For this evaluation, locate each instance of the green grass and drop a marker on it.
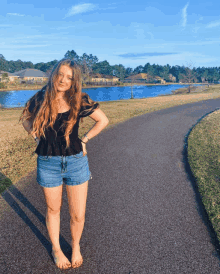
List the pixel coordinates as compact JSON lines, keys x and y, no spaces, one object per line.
{"x":204,"y":160}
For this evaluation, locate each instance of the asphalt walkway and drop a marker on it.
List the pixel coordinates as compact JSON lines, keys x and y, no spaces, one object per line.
{"x":143,"y":215}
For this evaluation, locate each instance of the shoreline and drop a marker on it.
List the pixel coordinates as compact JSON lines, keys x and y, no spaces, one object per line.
{"x":179,"y":91}
{"x":91,"y":86}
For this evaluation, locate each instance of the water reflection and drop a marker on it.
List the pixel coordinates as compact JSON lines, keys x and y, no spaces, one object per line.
{"x":20,"y":97}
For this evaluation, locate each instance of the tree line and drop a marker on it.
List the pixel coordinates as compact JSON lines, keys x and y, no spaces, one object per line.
{"x":91,"y":64}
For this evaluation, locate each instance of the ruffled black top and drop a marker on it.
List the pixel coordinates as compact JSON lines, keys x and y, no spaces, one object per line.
{"x":55,"y":144}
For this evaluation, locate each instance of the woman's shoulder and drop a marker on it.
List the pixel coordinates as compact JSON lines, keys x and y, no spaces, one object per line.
{"x":87,"y":105}
{"x":85,"y":97}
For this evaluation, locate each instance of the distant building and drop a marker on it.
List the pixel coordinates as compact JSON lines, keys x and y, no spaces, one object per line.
{"x":140,"y":77}
{"x":31,"y":75}
{"x":10,"y":76}
{"x":159,"y":79}
{"x":97,"y":77}
{"x":143,"y":78}
{"x":204,"y":80}
{"x":172,"y":78}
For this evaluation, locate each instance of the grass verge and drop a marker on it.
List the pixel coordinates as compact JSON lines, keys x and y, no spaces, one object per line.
{"x":204,"y":160}
{"x":185,"y":90}
{"x":16,"y":147}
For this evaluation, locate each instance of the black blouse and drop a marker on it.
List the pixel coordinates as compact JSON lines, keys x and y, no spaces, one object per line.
{"x":55,"y":144}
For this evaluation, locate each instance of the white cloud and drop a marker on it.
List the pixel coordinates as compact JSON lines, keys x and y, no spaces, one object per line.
{"x":6,"y":25}
{"x":15,"y":14}
{"x":7,"y":46}
{"x":109,"y":8}
{"x":151,"y":35}
{"x":213,"y":24}
{"x":195,"y":29}
{"x":60,"y":28}
{"x":184,"y":15}
{"x":81,"y":8}
{"x":175,"y":44}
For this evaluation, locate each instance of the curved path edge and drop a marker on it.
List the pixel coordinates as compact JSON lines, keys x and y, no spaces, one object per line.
{"x":143,"y":214}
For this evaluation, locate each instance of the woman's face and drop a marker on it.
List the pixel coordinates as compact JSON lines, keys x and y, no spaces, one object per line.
{"x":64,"y":80}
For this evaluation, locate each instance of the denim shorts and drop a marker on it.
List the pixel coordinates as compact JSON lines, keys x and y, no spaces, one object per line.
{"x":54,"y":170}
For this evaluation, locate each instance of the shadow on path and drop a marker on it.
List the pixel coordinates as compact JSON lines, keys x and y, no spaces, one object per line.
{"x":200,"y":206}
{"x":5,"y":182}
{"x":9,"y":196}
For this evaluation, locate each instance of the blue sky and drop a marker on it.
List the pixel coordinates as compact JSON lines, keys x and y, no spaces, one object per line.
{"x":131,"y":33}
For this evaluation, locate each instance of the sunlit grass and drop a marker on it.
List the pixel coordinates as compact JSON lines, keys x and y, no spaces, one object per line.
{"x":204,"y":160}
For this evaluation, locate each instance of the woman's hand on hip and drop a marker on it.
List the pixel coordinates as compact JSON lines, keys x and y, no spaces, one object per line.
{"x":84,"y":149}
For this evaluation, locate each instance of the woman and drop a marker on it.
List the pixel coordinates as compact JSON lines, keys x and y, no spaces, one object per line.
{"x":52,"y":117}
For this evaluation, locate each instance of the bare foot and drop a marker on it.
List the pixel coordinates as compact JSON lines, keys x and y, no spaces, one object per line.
{"x":60,"y":259}
{"x":77,"y":258}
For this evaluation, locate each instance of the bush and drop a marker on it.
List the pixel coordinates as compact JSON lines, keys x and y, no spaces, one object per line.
{"x":2,"y":85}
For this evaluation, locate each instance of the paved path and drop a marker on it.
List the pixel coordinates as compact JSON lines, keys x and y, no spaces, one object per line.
{"x":143,"y":213}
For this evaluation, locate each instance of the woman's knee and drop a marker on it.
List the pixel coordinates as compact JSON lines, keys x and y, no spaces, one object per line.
{"x":53,"y":210}
{"x":53,"y":197}
{"x":79,"y":218}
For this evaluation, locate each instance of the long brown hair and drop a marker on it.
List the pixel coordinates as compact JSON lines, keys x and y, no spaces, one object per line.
{"x":45,"y":111}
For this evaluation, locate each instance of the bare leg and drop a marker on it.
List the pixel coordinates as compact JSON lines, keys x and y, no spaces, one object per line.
{"x":53,"y":197}
{"x":77,"y":196}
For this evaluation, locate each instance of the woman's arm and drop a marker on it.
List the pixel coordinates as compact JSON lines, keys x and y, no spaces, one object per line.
{"x":101,"y":122}
{"x":28,"y":124}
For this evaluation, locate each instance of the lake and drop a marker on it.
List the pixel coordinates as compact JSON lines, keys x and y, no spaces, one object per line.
{"x":18,"y":98}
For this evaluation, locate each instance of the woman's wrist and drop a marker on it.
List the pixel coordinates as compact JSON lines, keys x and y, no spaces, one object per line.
{"x":85,"y":139}
{"x":36,"y":139}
